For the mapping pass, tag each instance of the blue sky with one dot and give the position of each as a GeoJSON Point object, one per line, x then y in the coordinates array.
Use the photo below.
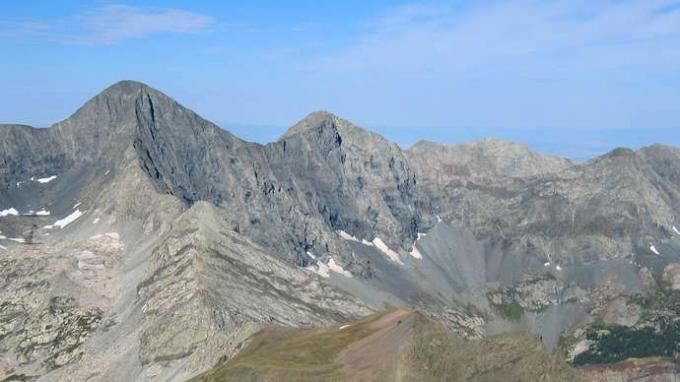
{"type": "Point", "coordinates": [569, 77]}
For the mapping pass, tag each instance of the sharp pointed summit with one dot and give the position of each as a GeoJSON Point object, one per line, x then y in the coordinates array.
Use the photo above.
{"type": "Point", "coordinates": [316, 120]}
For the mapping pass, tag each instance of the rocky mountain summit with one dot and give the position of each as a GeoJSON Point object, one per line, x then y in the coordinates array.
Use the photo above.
{"type": "Point", "coordinates": [139, 241]}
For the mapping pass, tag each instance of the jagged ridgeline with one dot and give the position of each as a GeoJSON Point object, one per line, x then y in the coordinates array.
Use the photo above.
{"type": "Point", "coordinates": [139, 241]}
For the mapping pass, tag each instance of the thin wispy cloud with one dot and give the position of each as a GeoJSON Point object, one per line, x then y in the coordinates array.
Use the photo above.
{"type": "Point", "coordinates": [418, 39]}
{"type": "Point", "coordinates": [514, 64]}
{"type": "Point", "coordinates": [109, 24]}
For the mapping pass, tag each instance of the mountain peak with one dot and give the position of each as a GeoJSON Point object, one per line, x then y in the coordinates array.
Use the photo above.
{"type": "Point", "coordinates": [128, 84]}
{"type": "Point", "coordinates": [319, 118]}
{"type": "Point", "coordinates": [129, 89]}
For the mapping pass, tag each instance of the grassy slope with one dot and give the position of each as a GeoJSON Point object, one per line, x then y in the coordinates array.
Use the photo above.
{"type": "Point", "coordinates": [395, 345]}
{"type": "Point", "coordinates": [292, 354]}
{"type": "Point", "coordinates": [507, 357]}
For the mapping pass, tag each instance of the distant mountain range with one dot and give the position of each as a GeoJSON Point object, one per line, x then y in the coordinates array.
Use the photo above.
{"type": "Point", "coordinates": [139, 241]}
{"type": "Point", "coordinates": [577, 144]}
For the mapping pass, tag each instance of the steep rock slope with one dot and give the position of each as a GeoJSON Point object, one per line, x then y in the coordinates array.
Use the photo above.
{"type": "Point", "coordinates": [127, 166]}
{"type": "Point", "coordinates": [614, 205]}
{"type": "Point", "coordinates": [356, 180]}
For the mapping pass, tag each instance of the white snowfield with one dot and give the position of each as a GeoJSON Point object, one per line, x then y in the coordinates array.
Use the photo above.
{"type": "Point", "coordinates": [676, 230]}
{"type": "Point", "coordinates": [653, 249]}
{"type": "Point", "coordinates": [8, 212]}
{"type": "Point", "coordinates": [61, 223]}
{"type": "Point", "coordinates": [17, 239]}
{"type": "Point", "coordinates": [347, 236]}
{"type": "Point", "coordinates": [337, 268]}
{"type": "Point", "coordinates": [45, 180]}
{"type": "Point", "coordinates": [381, 246]}
{"type": "Point", "coordinates": [42, 212]}
{"type": "Point", "coordinates": [2, 237]}
{"type": "Point", "coordinates": [323, 270]}
{"type": "Point", "coordinates": [415, 252]}
{"type": "Point", "coordinates": [387, 251]}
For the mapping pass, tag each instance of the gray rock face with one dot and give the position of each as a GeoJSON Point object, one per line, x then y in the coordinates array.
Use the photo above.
{"type": "Point", "coordinates": [356, 180]}
{"type": "Point", "coordinates": [612, 205]}
{"type": "Point", "coordinates": [169, 240]}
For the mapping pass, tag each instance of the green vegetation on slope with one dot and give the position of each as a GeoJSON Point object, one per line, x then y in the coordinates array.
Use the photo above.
{"type": "Point", "coordinates": [394, 346]}
{"type": "Point", "coordinates": [508, 357]}
{"type": "Point", "coordinates": [619, 343]}
{"type": "Point", "coordinates": [658, 335]}
{"type": "Point", "coordinates": [292, 354]}
{"type": "Point", "coordinates": [511, 311]}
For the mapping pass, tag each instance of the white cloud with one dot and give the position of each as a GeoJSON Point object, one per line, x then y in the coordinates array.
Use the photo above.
{"type": "Point", "coordinates": [109, 24]}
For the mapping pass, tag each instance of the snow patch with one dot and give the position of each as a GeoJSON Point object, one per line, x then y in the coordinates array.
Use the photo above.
{"type": "Point", "coordinates": [66, 221]}
{"type": "Point", "coordinates": [2, 247]}
{"type": "Point", "coordinates": [17, 239]}
{"type": "Point", "coordinates": [95, 221]}
{"type": "Point", "coordinates": [344, 327]}
{"type": "Point", "coordinates": [416, 253]}
{"type": "Point", "coordinates": [42, 212]}
{"type": "Point", "coordinates": [347, 236]}
{"type": "Point", "coordinates": [546, 264]}
{"type": "Point", "coordinates": [439, 220]}
{"type": "Point", "coordinates": [337, 268]}
{"type": "Point", "coordinates": [311, 255]}
{"type": "Point", "coordinates": [558, 268]}
{"type": "Point", "coordinates": [653, 249]}
{"type": "Point", "coordinates": [76, 205]}
{"type": "Point", "coordinates": [45, 180]}
{"type": "Point", "coordinates": [387, 251]}
{"type": "Point", "coordinates": [323, 270]}
{"type": "Point", "coordinates": [9, 211]}
{"type": "Point", "coordinates": [676, 230]}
